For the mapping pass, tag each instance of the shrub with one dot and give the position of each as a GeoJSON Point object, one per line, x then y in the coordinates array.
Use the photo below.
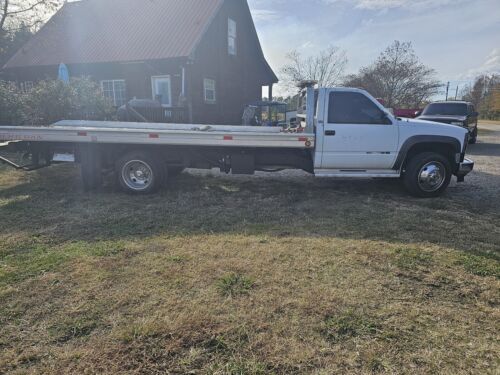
{"type": "Point", "coordinates": [52, 101]}
{"type": "Point", "coordinates": [11, 104]}
{"type": "Point", "coordinates": [88, 101]}
{"type": "Point", "coordinates": [48, 102]}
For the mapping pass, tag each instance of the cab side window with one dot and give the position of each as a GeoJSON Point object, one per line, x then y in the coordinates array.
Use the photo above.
{"type": "Point", "coordinates": [354, 108]}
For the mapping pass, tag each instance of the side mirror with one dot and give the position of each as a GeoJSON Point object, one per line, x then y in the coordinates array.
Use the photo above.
{"type": "Point", "coordinates": [418, 113]}
{"type": "Point", "coordinates": [475, 114]}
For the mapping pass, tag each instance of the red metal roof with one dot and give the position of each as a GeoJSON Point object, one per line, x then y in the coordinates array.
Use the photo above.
{"type": "Point", "coordinates": [95, 31]}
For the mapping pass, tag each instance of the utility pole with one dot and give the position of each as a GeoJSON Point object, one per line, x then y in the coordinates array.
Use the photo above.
{"type": "Point", "coordinates": [456, 93]}
{"type": "Point", "coordinates": [447, 90]}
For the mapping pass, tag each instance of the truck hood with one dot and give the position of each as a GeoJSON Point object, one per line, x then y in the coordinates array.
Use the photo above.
{"type": "Point", "coordinates": [443, 119]}
{"type": "Point", "coordinates": [412, 127]}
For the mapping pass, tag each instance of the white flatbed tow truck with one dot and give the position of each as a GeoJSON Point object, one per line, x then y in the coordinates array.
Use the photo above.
{"type": "Point", "coordinates": [344, 133]}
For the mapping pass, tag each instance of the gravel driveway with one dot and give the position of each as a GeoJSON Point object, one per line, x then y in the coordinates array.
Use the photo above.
{"type": "Point", "coordinates": [485, 180]}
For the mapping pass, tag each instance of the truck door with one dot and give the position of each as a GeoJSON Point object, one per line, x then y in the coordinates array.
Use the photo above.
{"type": "Point", "coordinates": [358, 135]}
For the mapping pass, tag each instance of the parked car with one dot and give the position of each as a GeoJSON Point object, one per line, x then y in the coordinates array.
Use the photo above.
{"type": "Point", "coordinates": [455, 113]}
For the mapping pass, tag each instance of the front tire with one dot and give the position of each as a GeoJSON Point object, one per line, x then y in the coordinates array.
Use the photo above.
{"type": "Point", "coordinates": [140, 173]}
{"type": "Point", "coordinates": [427, 175]}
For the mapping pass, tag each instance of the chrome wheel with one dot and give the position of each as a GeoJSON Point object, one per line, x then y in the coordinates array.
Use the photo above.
{"type": "Point", "coordinates": [432, 176]}
{"type": "Point", "coordinates": [137, 175]}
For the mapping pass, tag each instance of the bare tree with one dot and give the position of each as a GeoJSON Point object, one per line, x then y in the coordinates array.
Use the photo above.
{"type": "Point", "coordinates": [398, 77]}
{"type": "Point", "coordinates": [485, 95]}
{"type": "Point", "coordinates": [29, 14]}
{"type": "Point", "coordinates": [18, 20]}
{"type": "Point", "coordinates": [327, 68]}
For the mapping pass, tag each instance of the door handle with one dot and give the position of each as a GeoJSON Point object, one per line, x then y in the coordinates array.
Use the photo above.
{"type": "Point", "coordinates": [330, 132]}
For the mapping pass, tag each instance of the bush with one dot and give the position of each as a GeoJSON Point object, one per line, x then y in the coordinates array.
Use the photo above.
{"type": "Point", "coordinates": [53, 100]}
{"type": "Point", "coordinates": [89, 102]}
{"type": "Point", "coordinates": [48, 102]}
{"type": "Point", "coordinates": [11, 105]}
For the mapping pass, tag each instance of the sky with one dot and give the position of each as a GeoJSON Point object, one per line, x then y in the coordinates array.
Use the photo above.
{"type": "Point", "coordinates": [460, 39]}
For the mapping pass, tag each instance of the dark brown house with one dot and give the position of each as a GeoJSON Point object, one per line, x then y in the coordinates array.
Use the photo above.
{"type": "Point", "coordinates": [200, 57]}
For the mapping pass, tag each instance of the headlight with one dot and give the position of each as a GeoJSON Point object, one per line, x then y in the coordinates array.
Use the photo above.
{"type": "Point", "coordinates": [457, 123]}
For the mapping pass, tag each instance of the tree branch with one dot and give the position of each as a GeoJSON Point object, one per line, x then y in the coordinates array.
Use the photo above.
{"type": "Point", "coordinates": [5, 14]}
{"type": "Point", "coordinates": [33, 6]}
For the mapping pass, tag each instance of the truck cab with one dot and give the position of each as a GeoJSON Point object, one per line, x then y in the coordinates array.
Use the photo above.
{"type": "Point", "coordinates": [357, 137]}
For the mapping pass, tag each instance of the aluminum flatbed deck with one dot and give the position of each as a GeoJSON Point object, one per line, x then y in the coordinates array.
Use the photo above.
{"type": "Point", "coordinates": [158, 134]}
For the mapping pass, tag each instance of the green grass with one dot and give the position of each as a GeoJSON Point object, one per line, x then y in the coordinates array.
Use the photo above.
{"type": "Point", "coordinates": [480, 266]}
{"type": "Point", "coordinates": [349, 324]}
{"type": "Point", "coordinates": [71, 328]}
{"type": "Point", "coordinates": [223, 275]}
{"type": "Point", "coordinates": [233, 284]}
{"type": "Point", "coordinates": [412, 258]}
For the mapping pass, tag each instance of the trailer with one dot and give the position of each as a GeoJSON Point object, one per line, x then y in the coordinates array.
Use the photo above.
{"type": "Point", "coordinates": [342, 133]}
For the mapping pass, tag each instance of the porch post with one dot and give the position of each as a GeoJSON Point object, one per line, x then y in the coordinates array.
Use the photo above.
{"type": "Point", "coordinates": [187, 89]}
{"type": "Point", "coordinates": [270, 99]}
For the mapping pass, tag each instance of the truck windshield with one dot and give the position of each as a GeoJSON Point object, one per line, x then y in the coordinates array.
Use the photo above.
{"type": "Point", "coordinates": [446, 109]}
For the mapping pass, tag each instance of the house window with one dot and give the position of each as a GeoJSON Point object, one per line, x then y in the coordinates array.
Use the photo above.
{"type": "Point", "coordinates": [26, 86]}
{"type": "Point", "coordinates": [231, 37]}
{"type": "Point", "coordinates": [162, 90]}
{"type": "Point", "coordinates": [209, 90]}
{"type": "Point", "coordinates": [115, 90]}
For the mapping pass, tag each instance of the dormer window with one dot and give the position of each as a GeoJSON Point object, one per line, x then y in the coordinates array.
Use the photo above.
{"type": "Point", "coordinates": [231, 37]}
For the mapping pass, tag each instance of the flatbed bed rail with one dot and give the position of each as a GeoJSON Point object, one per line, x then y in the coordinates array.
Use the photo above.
{"type": "Point", "coordinates": [155, 134]}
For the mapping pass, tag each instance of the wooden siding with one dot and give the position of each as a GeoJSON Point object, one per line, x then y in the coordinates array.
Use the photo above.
{"type": "Point", "coordinates": [239, 79]}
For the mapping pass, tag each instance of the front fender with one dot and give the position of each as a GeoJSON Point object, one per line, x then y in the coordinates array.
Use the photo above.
{"type": "Point", "coordinates": [423, 140]}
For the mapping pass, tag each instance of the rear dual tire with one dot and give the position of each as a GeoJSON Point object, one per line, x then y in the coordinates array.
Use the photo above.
{"type": "Point", "coordinates": [140, 173]}
{"type": "Point", "coordinates": [427, 175]}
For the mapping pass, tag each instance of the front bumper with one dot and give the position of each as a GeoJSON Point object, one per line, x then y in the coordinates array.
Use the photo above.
{"type": "Point", "coordinates": [464, 168]}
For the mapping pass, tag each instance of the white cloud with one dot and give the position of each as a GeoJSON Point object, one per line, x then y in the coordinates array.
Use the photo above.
{"type": "Point", "coordinates": [491, 65]}
{"type": "Point", "coordinates": [265, 15]}
{"type": "Point", "coordinates": [413, 5]}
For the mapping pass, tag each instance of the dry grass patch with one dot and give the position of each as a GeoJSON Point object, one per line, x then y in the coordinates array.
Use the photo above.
{"type": "Point", "coordinates": [285, 277]}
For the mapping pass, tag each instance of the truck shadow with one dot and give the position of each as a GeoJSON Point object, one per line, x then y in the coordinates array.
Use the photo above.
{"type": "Point", "coordinates": [50, 205]}
{"type": "Point", "coordinates": [484, 149]}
